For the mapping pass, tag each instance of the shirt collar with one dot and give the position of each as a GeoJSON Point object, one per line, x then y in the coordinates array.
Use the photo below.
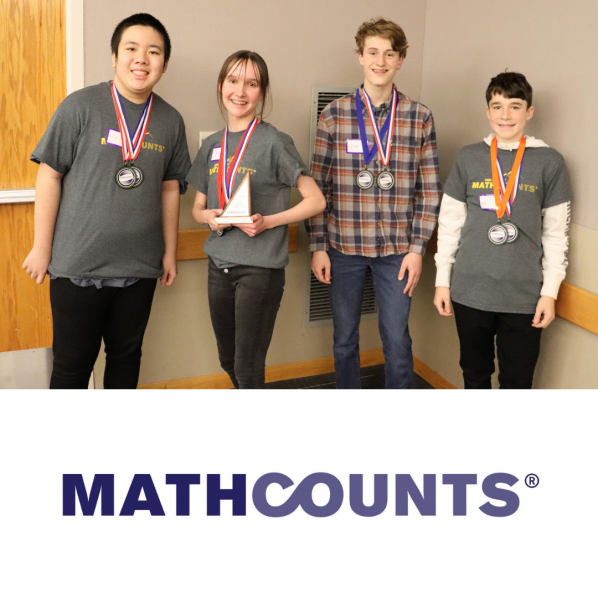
{"type": "Point", "coordinates": [381, 110]}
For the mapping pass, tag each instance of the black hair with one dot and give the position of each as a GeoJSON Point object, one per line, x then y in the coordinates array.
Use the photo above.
{"type": "Point", "coordinates": [510, 85]}
{"type": "Point", "coordinates": [144, 20]}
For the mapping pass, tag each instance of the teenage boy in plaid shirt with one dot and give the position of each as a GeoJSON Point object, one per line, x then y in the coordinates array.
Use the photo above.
{"type": "Point", "coordinates": [382, 227]}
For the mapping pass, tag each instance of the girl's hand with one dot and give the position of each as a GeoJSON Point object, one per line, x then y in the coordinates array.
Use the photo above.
{"type": "Point", "coordinates": [36, 264]}
{"type": "Point", "coordinates": [208, 217]}
{"type": "Point", "coordinates": [544, 312]}
{"type": "Point", "coordinates": [442, 301]}
{"type": "Point", "coordinates": [170, 270]}
{"type": "Point", "coordinates": [260, 224]}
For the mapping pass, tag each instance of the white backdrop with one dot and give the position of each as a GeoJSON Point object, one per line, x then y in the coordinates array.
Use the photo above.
{"type": "Point", "coordinates": [545, 549]}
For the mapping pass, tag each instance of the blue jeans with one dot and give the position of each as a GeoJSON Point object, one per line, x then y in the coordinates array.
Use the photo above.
{"type": "Point", "coordinates": [348, 275]}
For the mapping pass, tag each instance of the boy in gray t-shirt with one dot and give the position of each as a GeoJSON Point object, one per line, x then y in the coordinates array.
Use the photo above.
{"type": "Point", "coordinates": [503, 222]}
{"type": "Point", "coordinates": [112, 166]}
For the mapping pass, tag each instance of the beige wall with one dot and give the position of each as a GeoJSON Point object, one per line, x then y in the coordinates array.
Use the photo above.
{"type": "Point", "coordinates": [455, 49]}
{"type": "Point", "coordinates": [555, 46]}
{"type": "Point", "coordinates": [305, 44]}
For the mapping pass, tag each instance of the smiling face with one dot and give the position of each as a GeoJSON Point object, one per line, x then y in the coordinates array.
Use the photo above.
{"type": "Point", "coordinates": [380, 62]}
{"type": "Point", "coordinates": [241, 93]}
{"type": "Point", "coordinates": [139, 63]}
{"type": "Point", "coordinates": [508, 117]}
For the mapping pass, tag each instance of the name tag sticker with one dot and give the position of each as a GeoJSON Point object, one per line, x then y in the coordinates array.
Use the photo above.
{"type": "Point", "coordinates": [354, 146]}
{"type": "Point", "coordinates": [215, 154]}
{"type": "Point", "coordinates": [114, 138]}
{"type": "Point", "coordinates": [487, 202]}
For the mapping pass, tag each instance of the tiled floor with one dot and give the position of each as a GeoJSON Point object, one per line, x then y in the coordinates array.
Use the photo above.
{"type": "Point", "coordinates": [371, 377]}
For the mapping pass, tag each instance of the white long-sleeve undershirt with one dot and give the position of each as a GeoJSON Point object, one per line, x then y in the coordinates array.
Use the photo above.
{"type": "Point", "coordinates": [555, 230]}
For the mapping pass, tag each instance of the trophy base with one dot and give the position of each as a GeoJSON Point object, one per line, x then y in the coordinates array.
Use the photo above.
{"type": "Point", "coordinates": [234, 220]}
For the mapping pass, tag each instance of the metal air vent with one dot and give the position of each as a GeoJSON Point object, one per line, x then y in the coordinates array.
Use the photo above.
{"type": "Point", "coordinates": [318, 311]}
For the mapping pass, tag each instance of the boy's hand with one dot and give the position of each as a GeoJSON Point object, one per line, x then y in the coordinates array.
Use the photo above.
{"type": "Point", "coordinates": [413, 263]}
{"type": "Point", "coordinates": [544, 312]}
{"type": "Point", "coordinates": [36, 264]}
{"type": "Point", "coordinates": [170, 270]}
{"type": "Point", "coordinates": [442, 301]}
{"type": "Point", "coordinates": [320, 266]}
{"type": "Point", "coordinates": [260, 224]}
{"type": "Point", "coordinates": [208, 217]}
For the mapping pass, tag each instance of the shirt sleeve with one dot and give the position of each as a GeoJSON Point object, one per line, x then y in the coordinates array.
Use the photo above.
{"type": "Point", "coordinates": [290, 166]}
{"type": "Point", "coordinates": [199, 172]}
{"type": "Point", "coordinates": [555, 247]}
{"type": "Point", "coordinates": [427, 191]}
{"type": "Point", "coordinates": [58, 144]}
{"type": "Point", "coordinates": [453, 214]}
{"type": "Point", "coordinates": [456, 183]}
{"type": "Point", "coordinates": [317, 226]}
{"type": "Point", "coordinates": [180, 162]}
{"type": "Point", "coordinates": [558, 187]}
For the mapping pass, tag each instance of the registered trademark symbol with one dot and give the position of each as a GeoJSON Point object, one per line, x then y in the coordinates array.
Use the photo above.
{"type": "Point", "coordinates": [532, 480]}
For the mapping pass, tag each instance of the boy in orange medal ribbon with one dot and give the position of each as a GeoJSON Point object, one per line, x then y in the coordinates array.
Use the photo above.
{"type": "Point", "coordinates": [503, 223]}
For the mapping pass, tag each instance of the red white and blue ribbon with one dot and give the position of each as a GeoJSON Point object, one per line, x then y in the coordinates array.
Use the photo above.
{"type": "Point", "coordinates": [503, 187]}
{"type": "Point", "coordinates": [226, 173]}
{"type": "Point", "coordinates": [378, 134]}
{"type": "Point", "coordinates": [131, 146]}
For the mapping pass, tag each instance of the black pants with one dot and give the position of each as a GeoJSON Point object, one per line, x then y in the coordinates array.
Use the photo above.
{"type": "Point", "coordinates": [517, 344]}
{"type": "Point", "coordinates": [244, 301]}
{"type": "Point", "coordinates": [83, 316]}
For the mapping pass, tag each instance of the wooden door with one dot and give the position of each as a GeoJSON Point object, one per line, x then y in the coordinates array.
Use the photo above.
{"type": "Point", "coordinates": [32, 84]}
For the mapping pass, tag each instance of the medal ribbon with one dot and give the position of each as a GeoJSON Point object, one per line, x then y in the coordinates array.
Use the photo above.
{"type": "Point", "coordinates": [378, 134]}
{"type": "Point", "coordinates": [504, 198]}
{"type": "Point", "coordinates": [131, 146]}
{"type": "Point", "coordinates": [226, 175]}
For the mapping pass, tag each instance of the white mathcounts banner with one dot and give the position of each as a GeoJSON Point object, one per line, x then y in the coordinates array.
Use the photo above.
{"type": "Point", "coordinates": [545, 548]}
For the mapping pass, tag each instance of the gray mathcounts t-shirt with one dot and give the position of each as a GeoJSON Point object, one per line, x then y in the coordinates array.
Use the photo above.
{"type": "Point", "coordinates": [275, 165]}
{"type": "Point", "coordinates": [505, 278]}
{"type": "Point", "coordinates": [103, 231]}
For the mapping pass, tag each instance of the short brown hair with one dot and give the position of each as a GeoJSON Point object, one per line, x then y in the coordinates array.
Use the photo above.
{"type": "Point", "coordinates": [242, 57]}
{"type": "Point", "coordinates": [385, 29]}
{"type": "Point", "coordinates": [510, 85]}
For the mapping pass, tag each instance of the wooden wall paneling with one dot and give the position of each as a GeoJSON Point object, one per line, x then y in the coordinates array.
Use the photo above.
{"type": "Point", "coordinates": [32, 80]}
{"type": "Point", "coordinates": [32, 84]}
{"type": "Point", "coordinates": [25, 317]}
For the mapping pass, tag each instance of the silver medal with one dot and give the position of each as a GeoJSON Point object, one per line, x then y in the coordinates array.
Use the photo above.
{"type": "Point", "coordinates": [385, 180]}
{"type": "Point", "coordinates": [498, 234]}
{"type": "Point", "coordinates": [125, 177]}
{"type": "Point", "coordinates": [365, 179]}
{"type": "Point", "coordinates": [138, 175]}
{"type": "Point", "coordinates": [512, 231]}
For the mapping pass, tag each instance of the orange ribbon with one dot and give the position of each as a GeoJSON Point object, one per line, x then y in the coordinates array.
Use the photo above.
{"type": "Point", "coordinates": [501, 202]}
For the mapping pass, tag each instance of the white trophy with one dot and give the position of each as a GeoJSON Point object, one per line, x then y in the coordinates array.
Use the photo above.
{"type": "Point", "coordinates": [238, 209]}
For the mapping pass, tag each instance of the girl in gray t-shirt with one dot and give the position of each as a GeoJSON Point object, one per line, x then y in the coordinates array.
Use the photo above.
{"type": "Point", "coordinates": [247, 261]}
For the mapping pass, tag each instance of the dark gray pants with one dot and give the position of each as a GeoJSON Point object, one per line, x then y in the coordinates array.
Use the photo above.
{"type": "Point", "coordinates": [244, 301]}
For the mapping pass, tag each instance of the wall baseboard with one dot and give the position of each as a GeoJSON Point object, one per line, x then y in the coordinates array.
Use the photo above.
{"type": "Point", "coordinates": [297, 369]}
{"type": "Point", "coordinates": [432, 377]}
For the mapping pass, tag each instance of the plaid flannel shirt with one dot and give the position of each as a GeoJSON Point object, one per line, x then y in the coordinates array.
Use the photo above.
{"type": "Point", "coordinates": [373, 222]}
